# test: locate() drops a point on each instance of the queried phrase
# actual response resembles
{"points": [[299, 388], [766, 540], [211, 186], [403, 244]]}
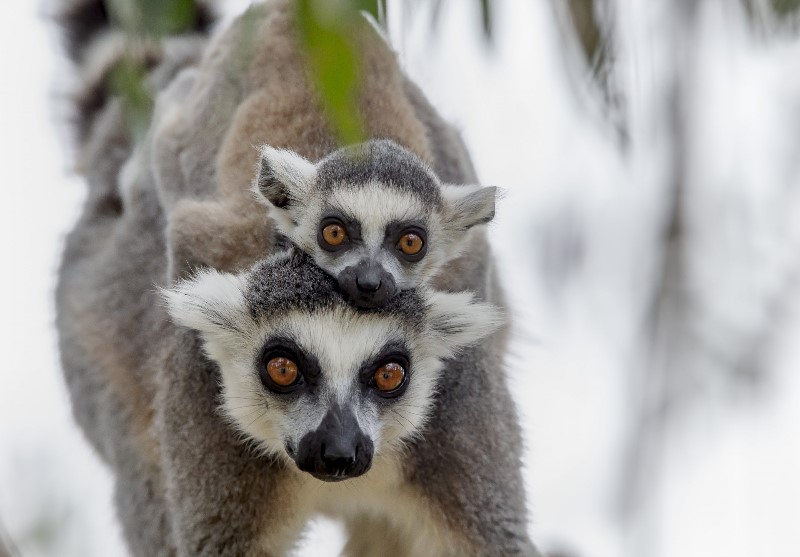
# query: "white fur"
{"points": [[468, 206], [296, 173], [211, 302], [457, 320], [342, 340], [374, 206]]}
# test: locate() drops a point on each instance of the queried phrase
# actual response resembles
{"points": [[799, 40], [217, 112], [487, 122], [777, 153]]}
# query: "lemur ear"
{"points": [[283, 176], [210, 302], [468, 206], [457, 320]]}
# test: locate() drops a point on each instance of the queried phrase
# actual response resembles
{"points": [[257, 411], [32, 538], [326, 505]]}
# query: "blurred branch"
{"points": [[587, 32], [771, 15], [785, 8], [661, 383], [7, 547], [586, 27], [486, 18]]}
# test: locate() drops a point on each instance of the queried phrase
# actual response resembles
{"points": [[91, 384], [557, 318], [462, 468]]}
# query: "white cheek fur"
{"points": [[341, 340], [375, 206]]}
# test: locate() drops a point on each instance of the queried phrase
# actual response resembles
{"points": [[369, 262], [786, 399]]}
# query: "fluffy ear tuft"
{"points": [[468, 206], [457, 320], [283, 176], [210, 302]]}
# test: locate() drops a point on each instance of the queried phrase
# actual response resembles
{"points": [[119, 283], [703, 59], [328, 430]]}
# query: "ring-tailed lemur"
{"points": [[373, 216], [143, 389], [316, 382]]}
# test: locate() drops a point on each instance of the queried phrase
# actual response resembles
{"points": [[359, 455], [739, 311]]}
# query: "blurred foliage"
{"points": [[584, 22], [587, 30], [785, 8], [143, 20], [327, 29], [771, 15], [153, 18], [486, 18], [129, 80]]}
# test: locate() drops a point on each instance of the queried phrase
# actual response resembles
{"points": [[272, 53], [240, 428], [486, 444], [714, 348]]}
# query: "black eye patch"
{"points": [[333, 240], [284, 353], [407, 240], [392, 355]]}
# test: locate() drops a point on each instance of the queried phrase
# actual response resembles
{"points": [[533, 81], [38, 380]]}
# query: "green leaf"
{"points": [[486, 18], [326, 31], [127, 79]]}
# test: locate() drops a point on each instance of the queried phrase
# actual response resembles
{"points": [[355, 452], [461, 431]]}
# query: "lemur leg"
{"points": [[224, 499], [226, 237], [139, 498], [105, 281], [467, 464]]}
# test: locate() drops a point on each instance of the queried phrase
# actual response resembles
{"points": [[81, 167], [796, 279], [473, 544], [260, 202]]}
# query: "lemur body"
{"points": [[143, 389]]}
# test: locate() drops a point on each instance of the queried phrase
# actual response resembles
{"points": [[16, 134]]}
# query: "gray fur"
{"points": [[300, 284], [379, 161], [142, 388]]}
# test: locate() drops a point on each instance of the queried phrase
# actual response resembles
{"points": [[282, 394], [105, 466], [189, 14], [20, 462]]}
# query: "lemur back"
{"points": [[144, 390]]}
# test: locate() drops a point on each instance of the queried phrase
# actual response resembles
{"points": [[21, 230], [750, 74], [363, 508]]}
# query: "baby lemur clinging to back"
{"points": [[270, 357], [373, 216]]}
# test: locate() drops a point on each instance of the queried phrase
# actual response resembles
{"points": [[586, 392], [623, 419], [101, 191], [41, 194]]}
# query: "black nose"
{"points": [[339, 457], [367, 284], [337, 449], [369, 281]]}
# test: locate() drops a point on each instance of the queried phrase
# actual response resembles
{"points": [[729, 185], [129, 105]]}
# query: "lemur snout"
{"points": [[369, 281], [367, 284], [337, 449]]}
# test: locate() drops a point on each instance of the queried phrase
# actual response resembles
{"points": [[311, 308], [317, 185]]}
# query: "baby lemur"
{"points": [[373, 216]]}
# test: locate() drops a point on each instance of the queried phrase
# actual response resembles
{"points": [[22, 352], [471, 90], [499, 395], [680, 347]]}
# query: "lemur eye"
{"points": [[282, 371], [334, 234], [389, 377], [410, 244]]}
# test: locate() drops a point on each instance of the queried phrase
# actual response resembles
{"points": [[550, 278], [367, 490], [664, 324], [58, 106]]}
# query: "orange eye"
{"points": [[389, 377], [334, 234], [410, 244], [282, 371]]}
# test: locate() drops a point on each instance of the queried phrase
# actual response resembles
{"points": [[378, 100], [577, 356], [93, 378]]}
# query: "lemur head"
{"points": [[313, 379], [373, 215]]}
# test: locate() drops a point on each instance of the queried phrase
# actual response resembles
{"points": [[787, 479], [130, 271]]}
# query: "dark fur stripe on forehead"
{"points": [[379, 161], [291, 281]]}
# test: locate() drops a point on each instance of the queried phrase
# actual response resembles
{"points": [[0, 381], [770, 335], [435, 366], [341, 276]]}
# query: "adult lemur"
{"points": [[194, 473]]}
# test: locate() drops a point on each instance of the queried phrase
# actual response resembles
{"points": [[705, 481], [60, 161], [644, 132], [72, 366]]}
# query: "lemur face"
{"points": [[372, 216], [314, 380]]}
